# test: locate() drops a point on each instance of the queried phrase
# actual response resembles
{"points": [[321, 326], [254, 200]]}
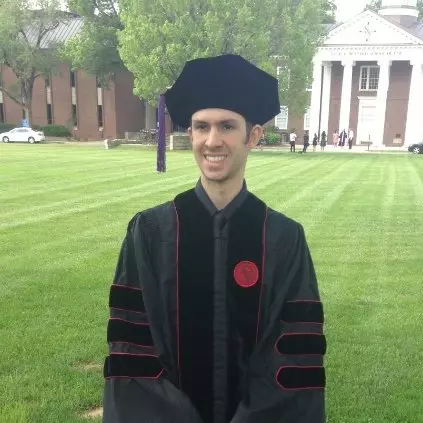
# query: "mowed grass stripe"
{"points": [[325, 195], [142, 165], [287, 175], [94, 198], [99, 189]]}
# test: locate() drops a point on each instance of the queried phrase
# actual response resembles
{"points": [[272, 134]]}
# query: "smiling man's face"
{"points": [[221, 143]]}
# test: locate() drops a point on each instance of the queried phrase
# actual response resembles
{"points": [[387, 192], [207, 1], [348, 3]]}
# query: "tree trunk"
{"points": [[27, 88], [27, 115]]}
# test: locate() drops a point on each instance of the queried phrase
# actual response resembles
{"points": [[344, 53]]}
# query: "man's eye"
{"points": [[201, 127], [227, 127]]}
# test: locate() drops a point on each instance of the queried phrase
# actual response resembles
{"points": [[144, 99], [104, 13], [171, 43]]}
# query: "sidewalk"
{"points": [[280, 148], [339, 150]]}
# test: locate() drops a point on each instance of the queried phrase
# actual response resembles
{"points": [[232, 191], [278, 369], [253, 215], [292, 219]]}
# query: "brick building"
{"points": [[75, 99], [368, 76]]}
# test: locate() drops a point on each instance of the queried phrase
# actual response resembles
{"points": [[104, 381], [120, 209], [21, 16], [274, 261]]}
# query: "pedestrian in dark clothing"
{"points": [[315, 142], [306, 141], [323, 141], [342, 138]]}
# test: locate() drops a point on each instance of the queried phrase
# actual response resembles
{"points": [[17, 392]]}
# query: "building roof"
{"points": [[68, 27], [330, 27], [416, 29]]}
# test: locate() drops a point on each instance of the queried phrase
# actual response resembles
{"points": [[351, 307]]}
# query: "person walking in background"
{"points": [[315, 141], [292, 140], [350, 139], [306, 141], [342, 138], [323, 141], [335, 138]]}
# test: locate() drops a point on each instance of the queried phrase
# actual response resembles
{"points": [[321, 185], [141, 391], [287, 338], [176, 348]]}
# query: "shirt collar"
{"points": [[230, 209]]}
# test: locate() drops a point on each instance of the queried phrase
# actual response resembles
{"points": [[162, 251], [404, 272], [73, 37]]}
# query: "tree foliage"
{"points": [[25, 26], [374, 5], [329, 12], [158, 38], [95, 48], [154, 39]]}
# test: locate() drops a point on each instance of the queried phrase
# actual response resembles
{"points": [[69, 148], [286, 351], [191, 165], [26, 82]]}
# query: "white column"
{"points": [[150, 116], [414, 128], [344, 119], [315, 96], [327, 81], [382, 96]]}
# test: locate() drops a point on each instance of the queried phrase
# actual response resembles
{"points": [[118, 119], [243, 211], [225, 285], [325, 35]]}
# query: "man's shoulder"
{"points": [[153, 217], [281, 229]]}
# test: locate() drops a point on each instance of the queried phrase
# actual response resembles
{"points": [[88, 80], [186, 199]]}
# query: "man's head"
{"points": [[216, 98], [221, 140]]}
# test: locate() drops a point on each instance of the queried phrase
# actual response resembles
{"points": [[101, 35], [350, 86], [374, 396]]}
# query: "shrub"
{"points": [[272, 139], [6, 127], [55, 131], [272, 129]]}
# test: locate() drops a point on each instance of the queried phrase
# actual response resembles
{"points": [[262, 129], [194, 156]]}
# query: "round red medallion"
{"points": [[246, 274]]}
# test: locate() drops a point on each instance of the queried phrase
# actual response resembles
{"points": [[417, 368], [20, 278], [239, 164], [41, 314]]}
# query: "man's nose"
{"points": [[214, 138]]}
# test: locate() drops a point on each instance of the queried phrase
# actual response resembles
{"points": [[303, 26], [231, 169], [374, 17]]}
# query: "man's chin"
{"points": [[218, 177]]}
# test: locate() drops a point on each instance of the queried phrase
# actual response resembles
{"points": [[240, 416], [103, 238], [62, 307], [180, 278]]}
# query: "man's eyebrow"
{"points": [[224, 121]]}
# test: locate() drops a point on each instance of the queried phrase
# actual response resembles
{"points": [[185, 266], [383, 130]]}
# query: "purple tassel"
{"points": [[161, 137]]}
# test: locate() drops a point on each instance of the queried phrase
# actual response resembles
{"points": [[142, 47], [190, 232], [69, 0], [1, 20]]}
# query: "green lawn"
{"points": [[63, 213]]}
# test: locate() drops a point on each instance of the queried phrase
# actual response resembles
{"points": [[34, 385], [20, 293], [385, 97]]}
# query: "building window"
{"points": [[100, 116], [73, 79], [1, 113], [281, 120], [369, 78], [74, 116], [307, 120], [49, 115]]}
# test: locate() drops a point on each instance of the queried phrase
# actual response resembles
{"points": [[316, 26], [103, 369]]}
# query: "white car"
{"points": [[22, 135]]}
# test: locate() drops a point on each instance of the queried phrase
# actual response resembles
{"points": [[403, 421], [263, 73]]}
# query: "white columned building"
{"points": [[368, 77]]}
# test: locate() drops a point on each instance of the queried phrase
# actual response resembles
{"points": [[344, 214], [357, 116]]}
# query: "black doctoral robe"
{"points": [[215, 317]]}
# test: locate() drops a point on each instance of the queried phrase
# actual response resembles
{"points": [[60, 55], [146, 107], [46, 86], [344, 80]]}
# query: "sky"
{"points": [[349, 8]]}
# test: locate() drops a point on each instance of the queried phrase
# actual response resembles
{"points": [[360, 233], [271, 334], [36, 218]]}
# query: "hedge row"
{"points": [[49, 130]]}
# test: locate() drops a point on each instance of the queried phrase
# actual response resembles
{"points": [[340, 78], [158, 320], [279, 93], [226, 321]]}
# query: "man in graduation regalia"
{"points": [[215, 314]]}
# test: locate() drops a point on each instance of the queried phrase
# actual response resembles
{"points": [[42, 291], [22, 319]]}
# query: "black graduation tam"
{"points": [[224, 82]]}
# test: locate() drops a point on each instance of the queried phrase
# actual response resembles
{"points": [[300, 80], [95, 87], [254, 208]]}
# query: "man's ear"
{"points": [[190, 133], [255, 135]]}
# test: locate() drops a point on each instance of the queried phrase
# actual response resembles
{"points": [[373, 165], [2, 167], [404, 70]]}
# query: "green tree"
{"points": [[156, 38], [329, 12], [159, 37], [95, 47], [374, 5], [26, 46]]}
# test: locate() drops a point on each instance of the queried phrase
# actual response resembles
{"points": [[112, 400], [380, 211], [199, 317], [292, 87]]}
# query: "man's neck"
{"points": [[221, 194]]}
